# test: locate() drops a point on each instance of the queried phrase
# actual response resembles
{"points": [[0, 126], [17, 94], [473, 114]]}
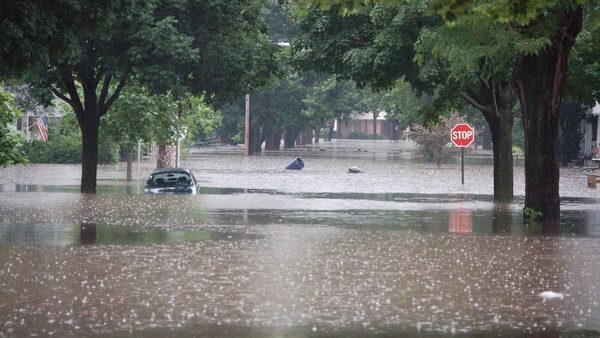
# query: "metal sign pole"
{"points": [[247, 128], [462, 165]]}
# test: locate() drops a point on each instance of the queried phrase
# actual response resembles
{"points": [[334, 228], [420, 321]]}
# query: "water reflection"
{"points": [[461, 221], [63, 235], [264, 252], [305, 281], [87, 233], [502, 219]]}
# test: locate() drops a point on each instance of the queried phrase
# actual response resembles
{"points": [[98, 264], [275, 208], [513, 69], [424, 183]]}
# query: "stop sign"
{"points": [[462, 135]]}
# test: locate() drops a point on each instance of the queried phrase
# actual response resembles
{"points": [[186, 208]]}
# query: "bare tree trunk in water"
{"points": [[89, 153], [166, 156], [129, 163], [331, 126], [375, 125]]}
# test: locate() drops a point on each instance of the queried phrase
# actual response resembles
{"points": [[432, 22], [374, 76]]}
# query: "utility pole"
{"points": [[247, 128]]}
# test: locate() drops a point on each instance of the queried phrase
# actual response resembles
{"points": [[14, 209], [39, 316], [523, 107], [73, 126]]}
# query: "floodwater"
{"points": [[400, 250]]}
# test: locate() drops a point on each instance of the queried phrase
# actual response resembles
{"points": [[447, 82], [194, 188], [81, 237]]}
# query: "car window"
{"points": [[168, 179]]}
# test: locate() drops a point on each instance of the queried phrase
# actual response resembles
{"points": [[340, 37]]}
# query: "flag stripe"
{"points": [[42, 129]]}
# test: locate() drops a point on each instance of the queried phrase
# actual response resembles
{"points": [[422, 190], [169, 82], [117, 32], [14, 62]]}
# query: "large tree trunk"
{"points": [[495, 101], [89, 153], [317, 133], [540, 80], [166, 156], [501, 131]]}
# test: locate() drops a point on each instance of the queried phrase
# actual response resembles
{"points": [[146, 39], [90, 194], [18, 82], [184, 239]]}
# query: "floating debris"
{"points": [[355, 170], [551, 295], [297, 164]]}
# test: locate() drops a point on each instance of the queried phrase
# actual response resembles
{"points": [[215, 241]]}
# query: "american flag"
{"points": [[41, 124]]}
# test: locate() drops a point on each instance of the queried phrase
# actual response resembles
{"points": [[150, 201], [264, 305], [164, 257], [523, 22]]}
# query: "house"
{"points": [[30, 112], [363, 125]]}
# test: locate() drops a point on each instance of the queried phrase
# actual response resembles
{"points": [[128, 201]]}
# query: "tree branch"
{"points": [[99, 75], [493, 89], [116, 94], [104, 91], [471, 99], [69, 83], [61, 96]]}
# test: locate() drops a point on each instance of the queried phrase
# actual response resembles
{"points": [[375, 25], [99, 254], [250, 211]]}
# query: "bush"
{"points": [[58, 149], [67, 149], [108, 152]]}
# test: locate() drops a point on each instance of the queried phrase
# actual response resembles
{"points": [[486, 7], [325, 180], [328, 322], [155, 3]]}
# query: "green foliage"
{"points": [[532, 218], [64, 144], [132, 117], [86, 51], [584, 64], [11, 142], [141, 116], [374, 48], [400, 103], [330, 99], [58, 149]]}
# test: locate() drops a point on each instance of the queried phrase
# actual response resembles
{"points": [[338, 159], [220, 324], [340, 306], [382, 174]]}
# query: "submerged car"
{"points": [[171, 181]]}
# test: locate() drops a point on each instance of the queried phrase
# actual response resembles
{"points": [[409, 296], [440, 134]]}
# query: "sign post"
{"points": [[247, 128], [462, 135]]}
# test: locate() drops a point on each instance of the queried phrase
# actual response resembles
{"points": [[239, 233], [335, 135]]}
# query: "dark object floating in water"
{"points": [[355, 170], [297, 164]]}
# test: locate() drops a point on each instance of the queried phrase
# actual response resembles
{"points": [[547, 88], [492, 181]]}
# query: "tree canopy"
{"points": [[11, 141], [90, 50]]}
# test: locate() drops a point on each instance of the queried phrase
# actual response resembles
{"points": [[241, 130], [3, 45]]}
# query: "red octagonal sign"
{"points": [[462, 135]]}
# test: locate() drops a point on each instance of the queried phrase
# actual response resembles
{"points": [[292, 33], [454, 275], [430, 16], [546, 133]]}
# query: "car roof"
{"points": [[171, 170]]}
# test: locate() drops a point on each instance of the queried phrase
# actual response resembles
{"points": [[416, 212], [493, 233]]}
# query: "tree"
{"points": [[11, 142], [551, 28], [400, 103], [86, 51], [581, 89], [329, 100], [476, 57], [179, 119], [130, 120], [104, 44], [469, 60], [434, 139], [540, 77], [277, 111]]}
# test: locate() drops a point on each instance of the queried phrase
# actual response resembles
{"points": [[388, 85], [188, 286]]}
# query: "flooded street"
{"points": [[401, 249]]}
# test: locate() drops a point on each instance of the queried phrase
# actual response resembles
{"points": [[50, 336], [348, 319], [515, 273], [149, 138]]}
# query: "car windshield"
{"points": [[169, 179]]}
